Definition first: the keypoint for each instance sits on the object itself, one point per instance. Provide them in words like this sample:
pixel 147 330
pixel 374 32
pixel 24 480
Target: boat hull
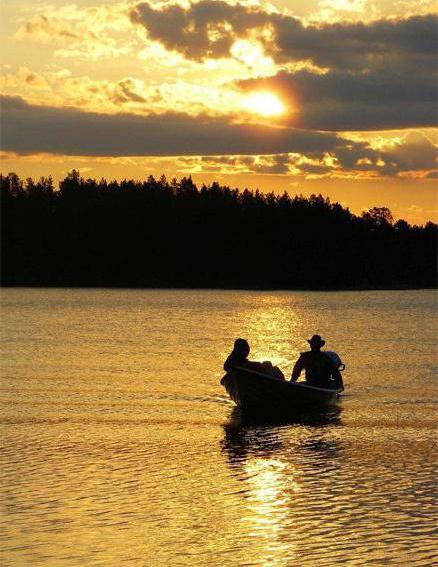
pixel 258 394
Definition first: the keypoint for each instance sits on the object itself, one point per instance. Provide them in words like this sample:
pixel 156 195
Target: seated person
pixel 239 357
pixel 320 369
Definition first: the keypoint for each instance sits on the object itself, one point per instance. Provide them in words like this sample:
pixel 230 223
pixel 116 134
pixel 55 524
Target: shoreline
pixel 220 288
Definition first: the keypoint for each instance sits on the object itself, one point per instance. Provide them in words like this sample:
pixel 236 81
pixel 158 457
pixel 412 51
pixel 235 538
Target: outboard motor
pixel 336 359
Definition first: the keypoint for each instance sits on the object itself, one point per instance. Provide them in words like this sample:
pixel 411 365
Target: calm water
pixel 120 446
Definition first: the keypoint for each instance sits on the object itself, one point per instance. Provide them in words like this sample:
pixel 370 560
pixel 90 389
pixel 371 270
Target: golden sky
pixel 330 96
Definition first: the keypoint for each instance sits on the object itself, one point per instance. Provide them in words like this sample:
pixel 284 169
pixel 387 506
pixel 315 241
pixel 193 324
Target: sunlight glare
pixel 252 54
pixel 264 103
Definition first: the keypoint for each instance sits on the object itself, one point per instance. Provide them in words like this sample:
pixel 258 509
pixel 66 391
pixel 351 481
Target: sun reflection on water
pixel 272 331
pixel 116 449
pixel 270 484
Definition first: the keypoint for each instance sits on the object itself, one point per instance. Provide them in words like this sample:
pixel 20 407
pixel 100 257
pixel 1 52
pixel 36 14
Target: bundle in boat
pixel 261 394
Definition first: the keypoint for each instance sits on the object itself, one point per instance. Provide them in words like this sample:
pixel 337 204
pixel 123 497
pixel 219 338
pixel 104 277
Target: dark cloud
pixel 377 99
pixel 28 129
pixel 314 169
pixel 358 45
pixel 382 74
pixel 415 152
pixel 209 28
pixel 206 29
pixel 277 165
pixel 125 92
pixel 273 164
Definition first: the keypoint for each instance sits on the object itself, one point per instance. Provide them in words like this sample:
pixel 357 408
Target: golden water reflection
pixel 278 463
pixel 272 331
pixel 268 499
pixel 115 449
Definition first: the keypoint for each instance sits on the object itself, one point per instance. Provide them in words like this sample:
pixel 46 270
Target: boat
pixel 258 393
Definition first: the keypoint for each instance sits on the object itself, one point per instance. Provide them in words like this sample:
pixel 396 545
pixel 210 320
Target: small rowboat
pixel 258 393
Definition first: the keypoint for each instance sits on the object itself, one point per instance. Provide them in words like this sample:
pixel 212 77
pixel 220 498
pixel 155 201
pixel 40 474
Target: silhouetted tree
pixel 379 216
pixel 156 233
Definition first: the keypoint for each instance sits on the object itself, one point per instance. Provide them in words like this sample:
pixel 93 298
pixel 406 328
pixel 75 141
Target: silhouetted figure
pixel 320 369
pixel 239 357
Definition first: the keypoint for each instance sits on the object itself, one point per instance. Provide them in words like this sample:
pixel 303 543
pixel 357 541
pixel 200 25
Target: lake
pixel 120 445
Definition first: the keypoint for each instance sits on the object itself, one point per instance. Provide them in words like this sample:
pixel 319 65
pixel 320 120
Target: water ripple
pixel 119 446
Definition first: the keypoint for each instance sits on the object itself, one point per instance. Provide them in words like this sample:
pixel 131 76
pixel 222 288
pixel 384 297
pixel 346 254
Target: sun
pixel 264 103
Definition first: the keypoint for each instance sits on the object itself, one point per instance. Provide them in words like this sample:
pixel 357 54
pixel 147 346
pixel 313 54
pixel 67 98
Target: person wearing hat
pixel 320 369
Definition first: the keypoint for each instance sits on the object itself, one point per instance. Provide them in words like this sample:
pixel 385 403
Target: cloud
pixel 413 156
pixel 371 75
pixel 414 152
pixel 278 164
pixel 126 92
pixel 81 33
pixel 30 129
pixel 59 87
pixel 337 76
pixel 46 30
pixel 208 29
pixel 380 98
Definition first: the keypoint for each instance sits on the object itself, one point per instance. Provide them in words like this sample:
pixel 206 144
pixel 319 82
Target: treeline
pixel 156 233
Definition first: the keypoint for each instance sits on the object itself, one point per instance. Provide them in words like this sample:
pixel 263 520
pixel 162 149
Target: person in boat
pixel 239 357
pixel 320 369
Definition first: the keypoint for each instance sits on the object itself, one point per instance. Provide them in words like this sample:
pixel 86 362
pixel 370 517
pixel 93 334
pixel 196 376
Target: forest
pixel 173 234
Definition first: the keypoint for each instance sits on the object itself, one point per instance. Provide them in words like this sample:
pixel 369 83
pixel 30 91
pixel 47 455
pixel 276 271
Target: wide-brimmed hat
pixel 316 340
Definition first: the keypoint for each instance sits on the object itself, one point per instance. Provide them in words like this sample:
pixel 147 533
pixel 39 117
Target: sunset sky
pixel 337 97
